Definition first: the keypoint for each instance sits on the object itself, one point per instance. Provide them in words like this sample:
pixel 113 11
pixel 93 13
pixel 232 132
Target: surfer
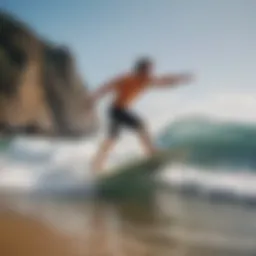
pixel 127 88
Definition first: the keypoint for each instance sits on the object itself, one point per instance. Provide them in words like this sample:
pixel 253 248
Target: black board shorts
pixel 122 118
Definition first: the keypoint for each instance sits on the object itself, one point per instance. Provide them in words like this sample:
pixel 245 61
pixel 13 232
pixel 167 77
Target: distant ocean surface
pixel 220 160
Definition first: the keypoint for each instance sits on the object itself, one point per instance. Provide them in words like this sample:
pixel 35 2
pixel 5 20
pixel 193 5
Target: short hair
pixel 142 64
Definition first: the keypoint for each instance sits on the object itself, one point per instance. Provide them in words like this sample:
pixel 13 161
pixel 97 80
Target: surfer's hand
pixel 172 80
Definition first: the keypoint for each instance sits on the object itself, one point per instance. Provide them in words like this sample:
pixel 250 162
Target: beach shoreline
pixel 76 227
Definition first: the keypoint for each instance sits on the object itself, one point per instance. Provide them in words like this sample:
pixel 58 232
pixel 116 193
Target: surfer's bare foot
pixel 152 151
pixel 157 151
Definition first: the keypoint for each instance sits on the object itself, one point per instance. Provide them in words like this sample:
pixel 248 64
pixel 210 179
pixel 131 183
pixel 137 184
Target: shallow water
pixel 166 222
pixel 163 224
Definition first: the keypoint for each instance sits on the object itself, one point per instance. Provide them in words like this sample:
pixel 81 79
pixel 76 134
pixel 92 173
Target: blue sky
pixel 216 39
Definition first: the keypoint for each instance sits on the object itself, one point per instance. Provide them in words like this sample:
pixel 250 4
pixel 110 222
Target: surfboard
pixel 136 173
pixel 133 179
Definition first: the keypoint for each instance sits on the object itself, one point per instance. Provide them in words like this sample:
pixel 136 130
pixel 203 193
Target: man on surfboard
pixel 127 88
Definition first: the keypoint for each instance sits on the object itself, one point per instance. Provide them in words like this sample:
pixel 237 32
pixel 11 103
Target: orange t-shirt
pixel 128 88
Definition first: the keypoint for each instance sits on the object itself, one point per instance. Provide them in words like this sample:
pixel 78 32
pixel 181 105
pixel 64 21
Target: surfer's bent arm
pixel 105 89
pixel 171 80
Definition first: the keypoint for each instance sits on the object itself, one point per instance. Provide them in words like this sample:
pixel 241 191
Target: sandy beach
pixel 31 233
pixel 21 235
pixel 181 227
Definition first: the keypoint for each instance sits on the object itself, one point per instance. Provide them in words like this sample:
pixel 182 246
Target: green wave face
pixel 212 143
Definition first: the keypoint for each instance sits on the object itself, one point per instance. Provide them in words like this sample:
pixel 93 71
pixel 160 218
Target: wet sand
pixel 171 227
pixel 21 235
pixel 30 234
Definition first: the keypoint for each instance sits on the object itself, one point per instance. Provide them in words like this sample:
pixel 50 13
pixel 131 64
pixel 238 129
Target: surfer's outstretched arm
pixel 171 80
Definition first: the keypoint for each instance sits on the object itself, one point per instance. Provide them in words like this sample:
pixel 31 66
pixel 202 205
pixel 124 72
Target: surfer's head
pixel 143 66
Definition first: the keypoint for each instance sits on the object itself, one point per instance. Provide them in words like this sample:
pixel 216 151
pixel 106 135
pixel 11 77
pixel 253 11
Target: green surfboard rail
pixel 137 175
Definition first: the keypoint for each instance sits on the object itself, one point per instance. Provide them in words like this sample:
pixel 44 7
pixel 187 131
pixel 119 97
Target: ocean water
pixel 204 204
pixel 165 224
pixel 219 159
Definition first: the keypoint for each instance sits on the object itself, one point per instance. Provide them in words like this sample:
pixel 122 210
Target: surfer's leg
pixel 146 141
pixel 107 145
pixel 102 154
pixel 135 123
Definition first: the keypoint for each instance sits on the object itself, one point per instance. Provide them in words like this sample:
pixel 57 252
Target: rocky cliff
pixel 40 89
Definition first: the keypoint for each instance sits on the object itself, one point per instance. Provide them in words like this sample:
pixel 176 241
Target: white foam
pixel 68 163
pixel 16 177
pixel 240 183
pixel 31 163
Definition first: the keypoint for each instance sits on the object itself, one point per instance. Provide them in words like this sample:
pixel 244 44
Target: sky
pixel 214 39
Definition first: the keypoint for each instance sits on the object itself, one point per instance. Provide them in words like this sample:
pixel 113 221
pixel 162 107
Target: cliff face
pixel 40 89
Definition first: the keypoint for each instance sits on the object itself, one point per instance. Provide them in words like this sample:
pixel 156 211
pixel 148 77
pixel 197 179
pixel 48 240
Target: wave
pixel 44 165
pixel 209 143
pixel 221 184
pixel 220 160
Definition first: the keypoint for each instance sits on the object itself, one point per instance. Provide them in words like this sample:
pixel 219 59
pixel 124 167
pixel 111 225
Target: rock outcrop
pixel 40 89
